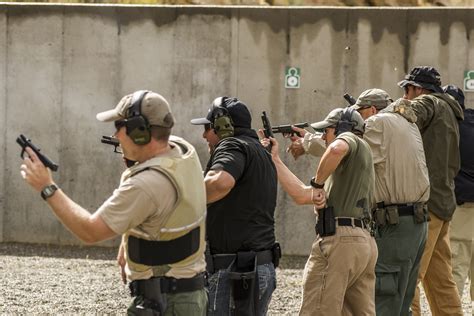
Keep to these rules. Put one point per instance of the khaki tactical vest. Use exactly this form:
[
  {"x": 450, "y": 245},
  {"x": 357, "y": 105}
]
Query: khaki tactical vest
[{"x": 190, "y": 209}]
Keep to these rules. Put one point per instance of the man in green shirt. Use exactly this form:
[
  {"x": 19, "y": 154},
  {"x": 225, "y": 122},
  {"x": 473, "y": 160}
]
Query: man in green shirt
[
  {"x": 339, "y": 276},
  {"x": 437, "y": 118}
]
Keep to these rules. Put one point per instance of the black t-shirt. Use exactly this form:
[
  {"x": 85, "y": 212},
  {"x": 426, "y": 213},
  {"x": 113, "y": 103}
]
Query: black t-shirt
[
  {"x": 465, "y": 179},
  {"x": 244, "y": 219}
]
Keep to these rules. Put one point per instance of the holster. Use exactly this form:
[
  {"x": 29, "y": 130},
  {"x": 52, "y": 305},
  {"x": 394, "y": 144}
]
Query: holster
[
  {"x": 421, "y": 213},
  {"x": 276, "y": 253},
  {"x": 326, "y": 224},
  {"x": 244, "y": 280},
  {"x": 153, "y": 297}
]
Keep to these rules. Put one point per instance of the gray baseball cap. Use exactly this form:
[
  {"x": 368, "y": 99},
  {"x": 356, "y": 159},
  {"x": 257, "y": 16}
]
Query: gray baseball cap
[
  {"x": 372, "y": 97},
  {"x": 154, "y": 108},
  {"x": 334, "y": 117}
]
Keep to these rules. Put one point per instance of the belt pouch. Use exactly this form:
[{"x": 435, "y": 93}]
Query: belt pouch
[
  {"x": 276, "y": 254},
  {"x": 244, "y": 282},
  {"x": 421, "y": 213},
  {"x": 392, "y": 215},
  {"x": 380, "y": 217},
  {"x": 151, "y": 291},
  {"x": 326, "y": 225}
]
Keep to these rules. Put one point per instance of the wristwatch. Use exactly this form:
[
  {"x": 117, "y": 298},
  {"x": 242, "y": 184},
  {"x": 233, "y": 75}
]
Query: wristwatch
[
  {"x": 314, "y": 184},
  {"x": 48, "y": 191}
]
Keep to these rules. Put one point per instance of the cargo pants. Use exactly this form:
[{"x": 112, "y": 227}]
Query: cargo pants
[
  {"x": 339, "y": 276},
  {"x": 436, "y": 273},
  {"x": 400, "y": 249},
  {"x": 462, "y": 246}
]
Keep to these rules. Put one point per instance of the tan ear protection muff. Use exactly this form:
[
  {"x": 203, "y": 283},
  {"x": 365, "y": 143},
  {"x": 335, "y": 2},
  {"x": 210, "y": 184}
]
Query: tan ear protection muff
[
  {"x": 222, "y": 124},
  {"x": 137, "y": 126},
  {"x": 345, "y": 124}
]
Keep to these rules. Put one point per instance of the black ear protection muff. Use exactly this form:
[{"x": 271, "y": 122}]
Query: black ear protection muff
[
  {"x": 222, "y": 123},
  {"x": 137, "y": 126},
  {"x": 345, "y": 124}
]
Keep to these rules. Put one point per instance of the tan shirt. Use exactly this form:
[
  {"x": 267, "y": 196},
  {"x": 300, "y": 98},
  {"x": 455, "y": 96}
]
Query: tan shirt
[
  {"x": 144, "y": 203},
  {"x": 401, "y": 175}
]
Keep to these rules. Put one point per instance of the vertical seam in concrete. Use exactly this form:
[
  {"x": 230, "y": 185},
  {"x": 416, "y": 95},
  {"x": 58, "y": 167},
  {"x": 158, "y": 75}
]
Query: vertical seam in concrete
[
  {"x": 288, "y": 31},
  {"x": 345, "y": 65},
  {"x": 234, "y": 51},
  {"x": 5, "y": 91},
  {"x": 407, "y": 43}
]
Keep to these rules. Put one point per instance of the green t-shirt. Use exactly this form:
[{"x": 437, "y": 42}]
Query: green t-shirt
[{"x": 351, "y": 186}]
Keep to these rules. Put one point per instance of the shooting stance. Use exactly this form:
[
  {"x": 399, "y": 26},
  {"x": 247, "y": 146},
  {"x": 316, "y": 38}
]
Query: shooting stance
[
  {"x": 339, "y": 277},
  {"x": 241, "y": 186},
  {"x": 159, "y": 209}
]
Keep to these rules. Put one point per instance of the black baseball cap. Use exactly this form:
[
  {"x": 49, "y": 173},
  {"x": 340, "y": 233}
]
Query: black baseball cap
[
  {"x": 424, "y": 77},
  {"x": 235, "y": 108}
]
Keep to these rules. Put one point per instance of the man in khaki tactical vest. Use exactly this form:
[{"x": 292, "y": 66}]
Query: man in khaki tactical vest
[
  {"x": 437, "y": 116},
  {"x": 159, "y": 209}
]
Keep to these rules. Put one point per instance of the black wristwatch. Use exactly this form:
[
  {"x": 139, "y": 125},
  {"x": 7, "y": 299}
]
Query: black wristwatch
[
  {"x": 315, "y": 185},
  {"x": 48, "y": 191}
]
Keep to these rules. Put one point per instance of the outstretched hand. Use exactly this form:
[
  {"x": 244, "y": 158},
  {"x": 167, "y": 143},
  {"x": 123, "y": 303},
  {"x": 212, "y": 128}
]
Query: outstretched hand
[{"x": 34, "y": 172}]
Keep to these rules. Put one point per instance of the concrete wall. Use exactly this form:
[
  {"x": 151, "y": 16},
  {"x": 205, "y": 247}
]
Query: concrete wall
[{"x": 60, "y": 65}]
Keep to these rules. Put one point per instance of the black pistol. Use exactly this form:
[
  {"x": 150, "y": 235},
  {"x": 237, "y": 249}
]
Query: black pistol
[
  {"x": 350, "y": 99},
  {"x": 24, "y": 142},
  {"x": 286, "y": 129},
  {"x": 267, "y": 129},
  {"x": 109, "y": 140}
]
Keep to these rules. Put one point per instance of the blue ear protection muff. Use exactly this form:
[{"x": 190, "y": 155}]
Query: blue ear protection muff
[
  {"x": 222, "y": 123},
  {"x": 137, "y": 126},
  {"x": 345, "y": 124}
]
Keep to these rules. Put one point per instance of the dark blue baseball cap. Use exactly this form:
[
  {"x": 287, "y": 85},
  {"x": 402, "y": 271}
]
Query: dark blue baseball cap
[
  {"x": 236, "y": 109},
  {"x": 456, "y": 93}
]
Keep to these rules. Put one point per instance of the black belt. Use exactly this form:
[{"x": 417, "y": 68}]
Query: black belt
[
  {"x": 406, "y": 209},
  {"x": 348, "y": 221},
  {"x": 223, "y": 261},
  {"x": 170, "y": 285}
]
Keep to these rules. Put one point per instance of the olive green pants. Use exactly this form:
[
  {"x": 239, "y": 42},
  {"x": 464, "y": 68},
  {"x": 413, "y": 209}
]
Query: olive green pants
[
  {"x": 400, "y": 248},
  {"x": 186, "y": 303}
]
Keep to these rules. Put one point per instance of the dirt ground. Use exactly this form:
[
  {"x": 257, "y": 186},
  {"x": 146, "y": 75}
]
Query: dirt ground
[{"x": 41, "y": 279}]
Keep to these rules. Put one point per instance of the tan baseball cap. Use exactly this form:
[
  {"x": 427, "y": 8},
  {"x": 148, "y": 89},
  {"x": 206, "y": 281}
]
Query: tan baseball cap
[{"x": 154, "y": 108}]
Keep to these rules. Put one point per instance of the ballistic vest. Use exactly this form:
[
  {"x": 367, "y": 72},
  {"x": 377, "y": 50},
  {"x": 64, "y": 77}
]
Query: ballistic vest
[{"x": 182, "y": 238}]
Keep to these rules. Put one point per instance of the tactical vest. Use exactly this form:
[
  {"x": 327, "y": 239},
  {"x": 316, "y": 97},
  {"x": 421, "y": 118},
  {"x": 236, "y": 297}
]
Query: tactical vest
[{"x": 182, "y": 238}]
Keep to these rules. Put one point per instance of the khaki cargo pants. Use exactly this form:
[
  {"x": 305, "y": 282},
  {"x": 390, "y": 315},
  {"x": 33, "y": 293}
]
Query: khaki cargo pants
[
  {"x": 462, "y": 246},
  {"x": 339, "y": 277},
  {"x": 436, "y": 273}
]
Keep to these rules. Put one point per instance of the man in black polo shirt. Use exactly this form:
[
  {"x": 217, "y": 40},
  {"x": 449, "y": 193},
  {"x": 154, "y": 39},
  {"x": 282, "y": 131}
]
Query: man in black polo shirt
[{"x": 241, "y": 185}]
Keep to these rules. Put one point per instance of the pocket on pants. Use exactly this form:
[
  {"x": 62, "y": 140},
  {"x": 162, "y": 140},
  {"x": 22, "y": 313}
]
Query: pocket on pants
[{"x": 386, "y": 279}]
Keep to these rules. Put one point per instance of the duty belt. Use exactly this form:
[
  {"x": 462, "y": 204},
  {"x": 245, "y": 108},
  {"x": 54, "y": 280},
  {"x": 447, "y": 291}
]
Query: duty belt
[
  {"x": 223, "y": 261},
  {"x": 406, "y": 209},
  {"x": 170, "y": 285}
]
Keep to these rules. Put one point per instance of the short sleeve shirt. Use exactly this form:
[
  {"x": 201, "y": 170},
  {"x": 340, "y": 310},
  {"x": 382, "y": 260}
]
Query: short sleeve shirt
[{"x": 350, "y": 187}]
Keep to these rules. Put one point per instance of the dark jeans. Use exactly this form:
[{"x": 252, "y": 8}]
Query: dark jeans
[{"x": 220, "y": 300}]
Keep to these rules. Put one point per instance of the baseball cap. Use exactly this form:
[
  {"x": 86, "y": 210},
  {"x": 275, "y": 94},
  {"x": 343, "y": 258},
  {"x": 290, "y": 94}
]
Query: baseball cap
[
  {"x": 456, "y": 93},
  {"x": 372, "y": 97},
  {"x": 236, "y": 109},
  {"x": 424, "y": 77},
  {"x": 335, "y": 116},
  {"x": 154, "y": 108}
]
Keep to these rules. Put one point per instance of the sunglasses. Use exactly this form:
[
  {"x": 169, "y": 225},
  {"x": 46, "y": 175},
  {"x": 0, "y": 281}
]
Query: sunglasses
[{"x": 207, "y": 127}]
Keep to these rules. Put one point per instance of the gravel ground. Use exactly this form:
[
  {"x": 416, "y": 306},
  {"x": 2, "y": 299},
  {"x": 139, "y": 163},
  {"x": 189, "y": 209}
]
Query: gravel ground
[{"x": 41, "y": 279}]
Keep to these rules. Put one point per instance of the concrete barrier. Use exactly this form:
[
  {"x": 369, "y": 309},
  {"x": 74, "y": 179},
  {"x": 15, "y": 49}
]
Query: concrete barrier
[{"x": 61, "y": 64}]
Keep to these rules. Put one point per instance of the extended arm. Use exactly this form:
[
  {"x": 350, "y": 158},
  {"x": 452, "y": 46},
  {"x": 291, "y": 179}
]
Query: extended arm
[{"x": 89, "y": 228}]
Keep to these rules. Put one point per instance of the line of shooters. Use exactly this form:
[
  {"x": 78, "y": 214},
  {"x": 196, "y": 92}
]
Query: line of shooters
[{"x": 204, "y": 244}]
